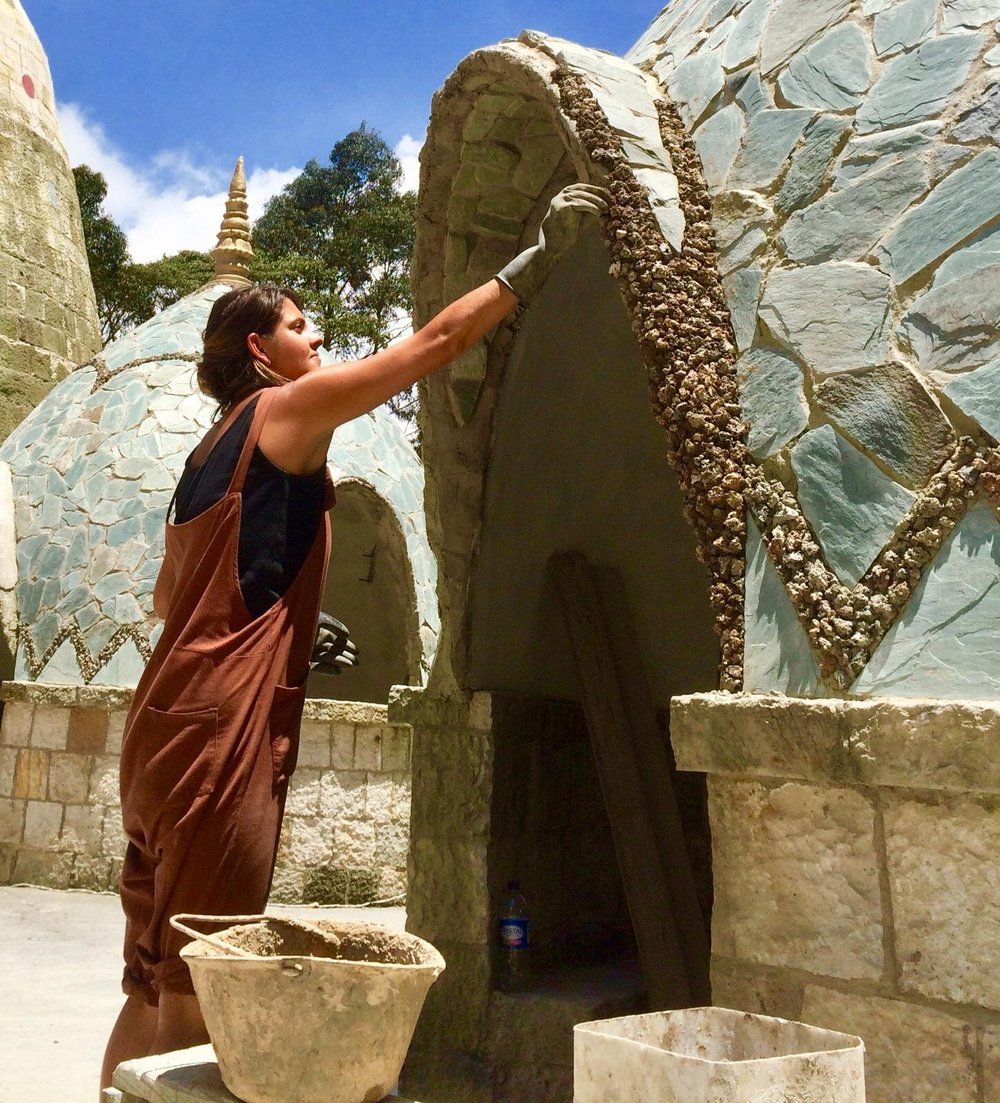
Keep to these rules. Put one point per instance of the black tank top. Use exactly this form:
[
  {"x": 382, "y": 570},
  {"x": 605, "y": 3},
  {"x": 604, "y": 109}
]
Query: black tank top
[{"x": 280, "y": 512}]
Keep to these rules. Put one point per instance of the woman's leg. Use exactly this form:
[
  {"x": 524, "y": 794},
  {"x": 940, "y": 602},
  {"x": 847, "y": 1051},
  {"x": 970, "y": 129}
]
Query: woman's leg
[
  {"x": 179, "y": 1025},
  {"x": 142, "y": 1029},
  {"x": 131, "y": 1036}
]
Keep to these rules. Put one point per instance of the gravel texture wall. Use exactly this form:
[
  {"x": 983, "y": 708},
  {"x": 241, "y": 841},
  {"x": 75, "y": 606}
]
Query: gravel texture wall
[{"x": 48, "y": 315}]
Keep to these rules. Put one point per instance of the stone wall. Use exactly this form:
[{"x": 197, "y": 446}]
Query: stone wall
[
  {"x": 803, "y": 217},
  {"x": 854, "y": 854},
  {"x": 48, "y": 316},
  {"x": 850, "y": 150},
  {"x": 346, "y": 828}
]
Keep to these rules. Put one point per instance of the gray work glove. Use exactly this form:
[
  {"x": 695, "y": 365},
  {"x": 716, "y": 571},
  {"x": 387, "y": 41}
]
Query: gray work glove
[
  {"x": 560, "y": 227},
  {"x": 334, "y": 649}
]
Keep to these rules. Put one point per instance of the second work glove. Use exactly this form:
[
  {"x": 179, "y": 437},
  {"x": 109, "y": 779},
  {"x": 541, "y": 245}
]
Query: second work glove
[
  {"x": 526, "y": 273},
  {"x": 334, "y": 649}
]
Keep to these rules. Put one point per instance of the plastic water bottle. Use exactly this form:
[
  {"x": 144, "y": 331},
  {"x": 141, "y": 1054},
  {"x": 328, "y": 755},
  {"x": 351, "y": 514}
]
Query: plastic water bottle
[{"x": 515, "y": 940}]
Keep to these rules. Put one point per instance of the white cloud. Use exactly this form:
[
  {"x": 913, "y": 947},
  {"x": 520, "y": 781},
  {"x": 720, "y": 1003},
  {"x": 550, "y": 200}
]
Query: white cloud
[
  {"x": 408, "y": 151},
  {"x": 173, "y": 203}
]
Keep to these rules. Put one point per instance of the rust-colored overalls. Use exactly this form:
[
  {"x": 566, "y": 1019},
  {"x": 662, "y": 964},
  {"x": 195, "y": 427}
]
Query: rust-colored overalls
[{"x": 212, "y": 736}]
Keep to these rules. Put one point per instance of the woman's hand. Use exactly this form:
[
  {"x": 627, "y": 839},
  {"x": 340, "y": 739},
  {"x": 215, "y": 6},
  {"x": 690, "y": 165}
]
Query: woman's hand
[
  {"x": 306, "y": 411},
  {"x": 529, "y": 270},
  {"x": 334, "y": 649}
]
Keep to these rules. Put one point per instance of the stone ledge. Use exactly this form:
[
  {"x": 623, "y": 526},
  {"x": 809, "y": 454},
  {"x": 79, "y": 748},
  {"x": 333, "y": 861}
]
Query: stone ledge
[
  {"x": 345, "y": 712},
  {"x": 116, "y": 698},
  {"x": 907, "y": 743}
]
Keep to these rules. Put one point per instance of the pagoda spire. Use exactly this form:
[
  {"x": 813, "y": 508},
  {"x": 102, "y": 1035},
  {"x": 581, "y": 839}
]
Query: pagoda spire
[{"x": 233, "y": 251}]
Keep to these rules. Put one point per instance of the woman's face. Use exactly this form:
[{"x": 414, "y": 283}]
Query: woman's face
[{"x": 291, "y": 350}]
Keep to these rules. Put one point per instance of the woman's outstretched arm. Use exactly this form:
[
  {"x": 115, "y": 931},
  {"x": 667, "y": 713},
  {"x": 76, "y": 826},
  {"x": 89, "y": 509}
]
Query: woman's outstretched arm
[
  {"x": 328, "y": 396},
  {"x": 307, "y": 410}
]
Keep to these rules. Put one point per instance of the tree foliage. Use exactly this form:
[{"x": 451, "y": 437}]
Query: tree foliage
[
  {"x": 129, "y": 293},
  {"x": 341, "y": 235},
  {"x": 107, "y": 248}
]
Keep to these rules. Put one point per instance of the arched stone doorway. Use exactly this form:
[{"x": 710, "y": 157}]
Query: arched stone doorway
[
  {"x": 369, "y": 586},
  {"x": 541, "y": 441},
  {"x": 577, "y": 465}
]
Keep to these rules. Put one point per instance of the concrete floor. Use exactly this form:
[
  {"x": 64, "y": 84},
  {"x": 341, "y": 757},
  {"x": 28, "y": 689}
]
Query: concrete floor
[{"x": 60, "y": 970}]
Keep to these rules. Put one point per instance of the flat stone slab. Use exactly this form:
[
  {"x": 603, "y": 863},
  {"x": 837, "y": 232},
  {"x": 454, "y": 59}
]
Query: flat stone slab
[
  {"x": 718, "y": 141},
  {"x": 917, "y": 85},
  {"x": 184, "y": 1076},
  {"x": 770, "y": 137},
  {"x": 777, "y": 657},
  {"x": 977, "y": 393},
  {"x": 742, "y": 289},
  {"x": 888, "y": 412},
  {"x": 831, "y": 316},
  {"x": 833, "y": 74},
  {"x": 962, "y": 204},
  {"x": 954, "y": 325},
  {"x": 810, "y": 162},
  {"x": 792, "y": 24},
  {"x": 852, "y": 506},
  {"x": 744, "y": 40},
  {"x": 846, "y": 223},
  {"x": 904, "y": 25},
  {"x": 947, "y": 640},
  {"x": 772, "y": 395}
]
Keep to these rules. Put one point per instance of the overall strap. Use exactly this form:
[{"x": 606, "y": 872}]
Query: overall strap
[
  {"x": 250, "y": 443},
  {"x": 172, "y": 503}
]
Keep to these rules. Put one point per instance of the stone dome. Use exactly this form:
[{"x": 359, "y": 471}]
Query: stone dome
[
  {"x": 804, "y": 229},
  {"x": 93, "y": 469},
  {"x": 49, "y": 319}
]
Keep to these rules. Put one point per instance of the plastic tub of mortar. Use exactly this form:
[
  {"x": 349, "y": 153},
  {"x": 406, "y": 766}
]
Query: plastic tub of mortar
[
  {"x": 713, "y": 1055},
  {"x": 316, "y": 1011}
]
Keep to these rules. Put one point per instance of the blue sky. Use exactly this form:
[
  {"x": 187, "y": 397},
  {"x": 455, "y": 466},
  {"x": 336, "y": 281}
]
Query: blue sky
[{"x": 162, "y": 96}]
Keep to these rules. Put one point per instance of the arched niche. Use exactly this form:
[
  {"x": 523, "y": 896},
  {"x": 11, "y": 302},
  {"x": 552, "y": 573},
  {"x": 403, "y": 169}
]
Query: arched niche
[
  {"x": 369, "y": 586},
  {"x": 578, "y": 464}
]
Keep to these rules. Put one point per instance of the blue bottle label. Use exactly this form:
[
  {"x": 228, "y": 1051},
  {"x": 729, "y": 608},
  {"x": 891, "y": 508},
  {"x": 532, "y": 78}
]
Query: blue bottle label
[{"x": 514, "y": 934}]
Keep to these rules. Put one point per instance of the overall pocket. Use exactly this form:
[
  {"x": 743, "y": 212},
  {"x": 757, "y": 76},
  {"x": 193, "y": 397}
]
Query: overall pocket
[
  {"x": 181, "y": 763},
  {"x": 283, "y": 726}
]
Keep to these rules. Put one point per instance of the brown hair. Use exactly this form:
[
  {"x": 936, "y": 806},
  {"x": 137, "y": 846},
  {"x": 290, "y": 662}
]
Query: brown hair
[{"x": 227, "y": 371}]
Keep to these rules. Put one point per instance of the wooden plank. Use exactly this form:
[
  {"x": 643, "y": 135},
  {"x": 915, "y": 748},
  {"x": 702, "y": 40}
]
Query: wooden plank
[
  {"x": 657, "y": 778},
  {"x": 639, "y": 860}
]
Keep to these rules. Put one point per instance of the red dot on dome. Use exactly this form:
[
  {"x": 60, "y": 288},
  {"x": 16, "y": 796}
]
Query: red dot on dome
[{"x": 29, "y": 85}]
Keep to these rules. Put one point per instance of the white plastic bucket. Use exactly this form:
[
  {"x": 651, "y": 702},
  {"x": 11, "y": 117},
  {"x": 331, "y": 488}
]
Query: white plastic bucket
[
  {"x": 309, "y": 1012},
  {"x": 714, "y": 1055}
]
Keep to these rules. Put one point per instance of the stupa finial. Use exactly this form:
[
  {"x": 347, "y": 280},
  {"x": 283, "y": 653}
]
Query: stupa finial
[{"x": 233, "y": 251}]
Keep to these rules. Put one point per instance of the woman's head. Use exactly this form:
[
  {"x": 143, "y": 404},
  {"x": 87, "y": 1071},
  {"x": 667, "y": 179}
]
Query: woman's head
[{"x": 255, "y": 337}]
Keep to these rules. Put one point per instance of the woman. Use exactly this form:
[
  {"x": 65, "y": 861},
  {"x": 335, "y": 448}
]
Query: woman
[{"x": 211, "y": 736}]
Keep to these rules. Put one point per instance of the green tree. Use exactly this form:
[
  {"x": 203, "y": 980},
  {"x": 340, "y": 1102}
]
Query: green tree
[
  {"x": 341, "y": 235},
  {"x": 107, "y": 250},
  {"x": 159, "y": 283},
  {"x": 129, "y": 293}
]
